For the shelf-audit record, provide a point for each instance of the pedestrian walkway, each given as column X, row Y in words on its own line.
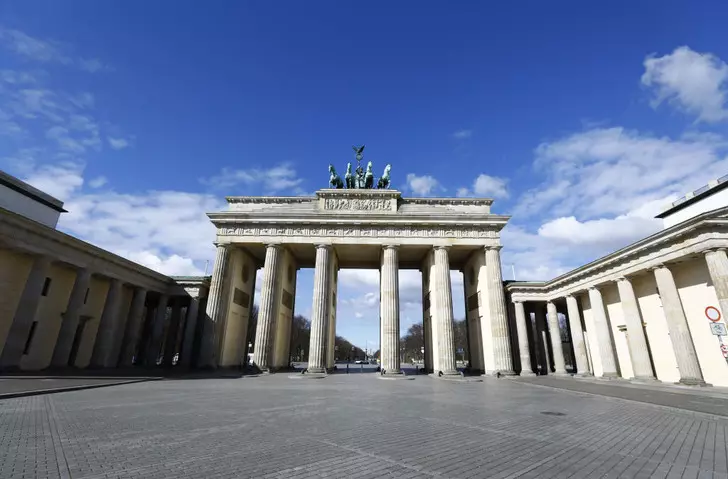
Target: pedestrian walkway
column 708, row 400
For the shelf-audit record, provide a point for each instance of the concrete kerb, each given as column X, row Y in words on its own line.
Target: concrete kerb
column 80, row 387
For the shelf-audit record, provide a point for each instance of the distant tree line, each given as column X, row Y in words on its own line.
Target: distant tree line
column 301, row 337
column 411, row 344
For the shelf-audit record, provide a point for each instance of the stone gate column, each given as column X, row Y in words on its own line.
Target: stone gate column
column 25, row 313
column 636, row 341
column 577, row 337
column 154, row 347
column 522, row 331
column 170, row 343
column 677, row 326
column 185, row 357
column 107, row 326
column 717, row 261
column 133, row 326
column 216, row 308
column 498, row 315
column 267, row 312
column 555, row 332
column 441, row 289
column 389, row 310
column 70, row 319
column 320, row 310
column 606, row 352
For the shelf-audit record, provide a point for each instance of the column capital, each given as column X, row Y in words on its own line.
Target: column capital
column 493, row 247
column 714, row 250
column 517, row 301
column 390, row 246
column 222, row 245
column 619, row 279
column 570, row 295
column 326, row 246
column 273, row 245
column 657, row 266
column 441, row 247
column 593, row 287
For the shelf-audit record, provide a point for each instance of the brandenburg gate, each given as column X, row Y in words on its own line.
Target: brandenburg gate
column 356, row 227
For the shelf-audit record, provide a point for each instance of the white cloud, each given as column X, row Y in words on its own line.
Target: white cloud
column 601, row 190
column 45, row 51
column 17, row 77
column 160, row 229
column 610, row 171
column 486, row 186
column 462, row 134
column 422, row 185
column 118, row 143
column 60, row 181
column 98, row 182
column 693, row 82
column 281, row 178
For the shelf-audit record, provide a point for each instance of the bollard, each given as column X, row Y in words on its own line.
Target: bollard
column 347, row 368
column 361, row 368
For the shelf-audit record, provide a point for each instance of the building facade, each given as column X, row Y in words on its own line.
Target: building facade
column 652, row 311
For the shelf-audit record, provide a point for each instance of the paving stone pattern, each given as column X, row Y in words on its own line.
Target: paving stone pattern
column 352, row 426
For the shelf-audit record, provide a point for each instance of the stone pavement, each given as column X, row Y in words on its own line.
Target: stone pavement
column 352, row 426
column 699, row 399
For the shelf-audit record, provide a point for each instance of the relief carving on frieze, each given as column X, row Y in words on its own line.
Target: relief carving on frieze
column 348, row 231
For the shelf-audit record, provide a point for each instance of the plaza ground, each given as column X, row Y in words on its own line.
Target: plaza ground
column 362, row 426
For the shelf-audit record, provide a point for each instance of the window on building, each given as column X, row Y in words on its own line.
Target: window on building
column 46, row 287
column 29, row 341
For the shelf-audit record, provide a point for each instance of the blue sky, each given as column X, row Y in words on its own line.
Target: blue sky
column 581, row 120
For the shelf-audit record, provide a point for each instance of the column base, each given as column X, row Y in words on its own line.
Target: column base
column 584, row 375
column 644, row 380
column 561, row 374
column 394, row 376
column 692, row 382
column 498, row 374
column 314, row 371
column 527, row 373
column 610, row 377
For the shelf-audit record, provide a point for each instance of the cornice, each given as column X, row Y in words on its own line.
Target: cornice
column 653, row 242
column 235, row 217
column 64, row 247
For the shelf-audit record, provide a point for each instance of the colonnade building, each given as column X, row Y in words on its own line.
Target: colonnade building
column 650, row 311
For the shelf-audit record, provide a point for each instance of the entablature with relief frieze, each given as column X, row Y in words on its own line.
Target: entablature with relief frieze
column 353, row 231
column 640, row 262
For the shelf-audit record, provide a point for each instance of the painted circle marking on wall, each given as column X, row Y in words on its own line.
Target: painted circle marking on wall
column 712, row 313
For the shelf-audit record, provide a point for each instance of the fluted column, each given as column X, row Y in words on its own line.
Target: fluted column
column 107, row 326
column 320, row 310
column 522, row 331
column 25, row 313
column 677, row 325
column 157, row 329
column 555, row 332
column 216, row 308
column 717, row 261
column 185, row 357
column 70, row 319
column 389, row 310
column 636, row 341
column 441, row 288
column 606, row 352
column 133, row 326
column 498, row 314
column 170, row 343
column 267, row 312
column 577, row 337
